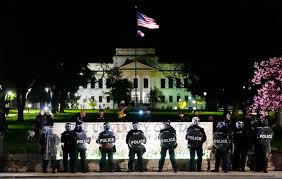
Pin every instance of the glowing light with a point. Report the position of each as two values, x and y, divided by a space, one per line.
9 93
29 105
47 90
193 101
205 93
141 112
46 108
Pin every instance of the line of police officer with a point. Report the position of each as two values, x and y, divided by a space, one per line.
74 142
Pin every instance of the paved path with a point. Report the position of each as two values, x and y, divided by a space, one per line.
147 175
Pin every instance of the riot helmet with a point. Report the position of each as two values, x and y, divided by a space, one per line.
195 121
68 126
107 126
239 124
221 125
135 125
79 127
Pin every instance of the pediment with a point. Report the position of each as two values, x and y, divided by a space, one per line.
139 66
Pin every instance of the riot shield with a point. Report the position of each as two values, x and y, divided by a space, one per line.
168 139
106 139
194 138
220 140
136 140
52 142
264 137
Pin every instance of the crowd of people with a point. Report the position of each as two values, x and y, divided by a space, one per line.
232 140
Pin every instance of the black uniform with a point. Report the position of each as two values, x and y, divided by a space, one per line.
171 152
139 151
222 153
241 146
68 138
106 148
199 150
81 139
261 152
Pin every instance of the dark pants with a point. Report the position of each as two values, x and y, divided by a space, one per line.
239 158
199 151
131 155
82 153
260 157
103 159
53 165
68 153
171 155
221 154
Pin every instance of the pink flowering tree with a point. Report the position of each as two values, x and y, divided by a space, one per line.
268 79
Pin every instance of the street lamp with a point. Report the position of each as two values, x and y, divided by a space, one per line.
205 93
9 93
28 107
47 90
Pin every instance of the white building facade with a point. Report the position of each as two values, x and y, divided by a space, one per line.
141 67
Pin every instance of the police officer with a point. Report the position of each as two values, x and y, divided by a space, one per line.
221 149
106 140
80 146
171 132
240 139
50 141
198 145
134 140
261 149
68 146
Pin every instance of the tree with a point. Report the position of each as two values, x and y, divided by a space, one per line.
155 96
268 80
120 88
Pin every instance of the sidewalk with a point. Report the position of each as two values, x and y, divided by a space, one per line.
272 174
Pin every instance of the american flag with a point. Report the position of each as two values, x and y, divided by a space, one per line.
145 21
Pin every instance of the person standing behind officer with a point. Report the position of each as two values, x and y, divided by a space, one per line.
221 152
168 128
122 113
240 139
138 148
81 117
197 148
68 146
106 140
80 146
100 117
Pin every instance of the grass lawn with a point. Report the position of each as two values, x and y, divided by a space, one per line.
16 142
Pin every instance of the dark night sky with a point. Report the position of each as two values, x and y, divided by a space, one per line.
200 30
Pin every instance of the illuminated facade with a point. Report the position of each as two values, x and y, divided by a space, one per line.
141 67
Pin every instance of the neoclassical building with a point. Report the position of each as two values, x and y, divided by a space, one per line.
141 67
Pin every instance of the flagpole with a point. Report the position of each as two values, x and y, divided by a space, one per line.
135 64
135 76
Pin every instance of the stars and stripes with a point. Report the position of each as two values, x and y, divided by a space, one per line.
145 21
